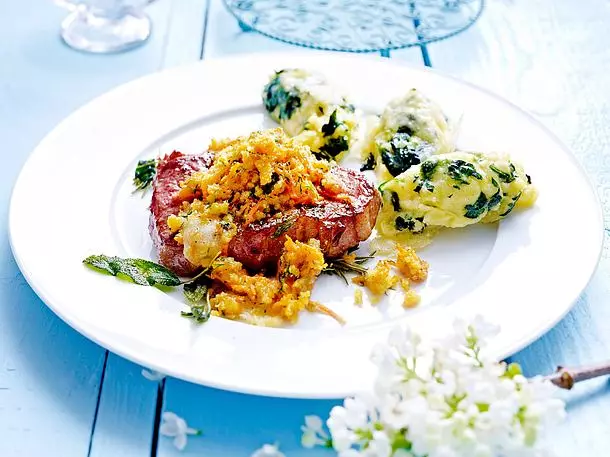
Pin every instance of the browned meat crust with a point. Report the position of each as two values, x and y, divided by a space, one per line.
171 170
338 225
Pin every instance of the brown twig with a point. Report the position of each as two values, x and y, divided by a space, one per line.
565 378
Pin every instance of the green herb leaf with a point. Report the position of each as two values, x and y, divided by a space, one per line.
395 202
428 168
370 163
511 205
504 176
145 173
427 173
412 224
267 188
140 271
284 227
329 128
424 184
494 200
406 129
332 148
197 294
277 96
477 208
404 153
400 161
323 155
380 186
199 314
460 170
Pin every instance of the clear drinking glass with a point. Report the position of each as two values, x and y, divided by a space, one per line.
105 26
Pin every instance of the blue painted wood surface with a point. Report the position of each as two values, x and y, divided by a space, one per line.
552 68
61 395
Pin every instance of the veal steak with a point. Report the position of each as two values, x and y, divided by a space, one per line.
338 225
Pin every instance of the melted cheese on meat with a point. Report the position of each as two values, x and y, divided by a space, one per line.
252 177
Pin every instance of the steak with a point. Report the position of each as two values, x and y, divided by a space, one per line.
171 170
338 225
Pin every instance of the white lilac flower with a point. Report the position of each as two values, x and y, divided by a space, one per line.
152 375
313 433
268 450
176 427
442 399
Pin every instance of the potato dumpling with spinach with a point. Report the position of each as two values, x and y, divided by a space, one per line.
309 109
410 129
453 190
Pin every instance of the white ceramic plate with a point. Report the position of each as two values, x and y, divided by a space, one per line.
73 198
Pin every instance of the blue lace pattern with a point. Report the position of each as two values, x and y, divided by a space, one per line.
356 25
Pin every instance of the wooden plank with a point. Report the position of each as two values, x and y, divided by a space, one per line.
548 57
126 414
235 424
126 417
185 32
50 375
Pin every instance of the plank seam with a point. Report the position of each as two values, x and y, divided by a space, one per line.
425 55
422 47
157 422
97 404
161 387
166 38
205 28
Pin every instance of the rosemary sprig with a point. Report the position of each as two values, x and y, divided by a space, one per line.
144 174
283 227
342 266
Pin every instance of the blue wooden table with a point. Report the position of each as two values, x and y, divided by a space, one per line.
62 395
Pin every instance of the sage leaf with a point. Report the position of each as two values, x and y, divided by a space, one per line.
197 294
140 271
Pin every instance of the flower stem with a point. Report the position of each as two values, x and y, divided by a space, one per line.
565 378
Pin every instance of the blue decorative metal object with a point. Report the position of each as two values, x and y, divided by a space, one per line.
356 25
